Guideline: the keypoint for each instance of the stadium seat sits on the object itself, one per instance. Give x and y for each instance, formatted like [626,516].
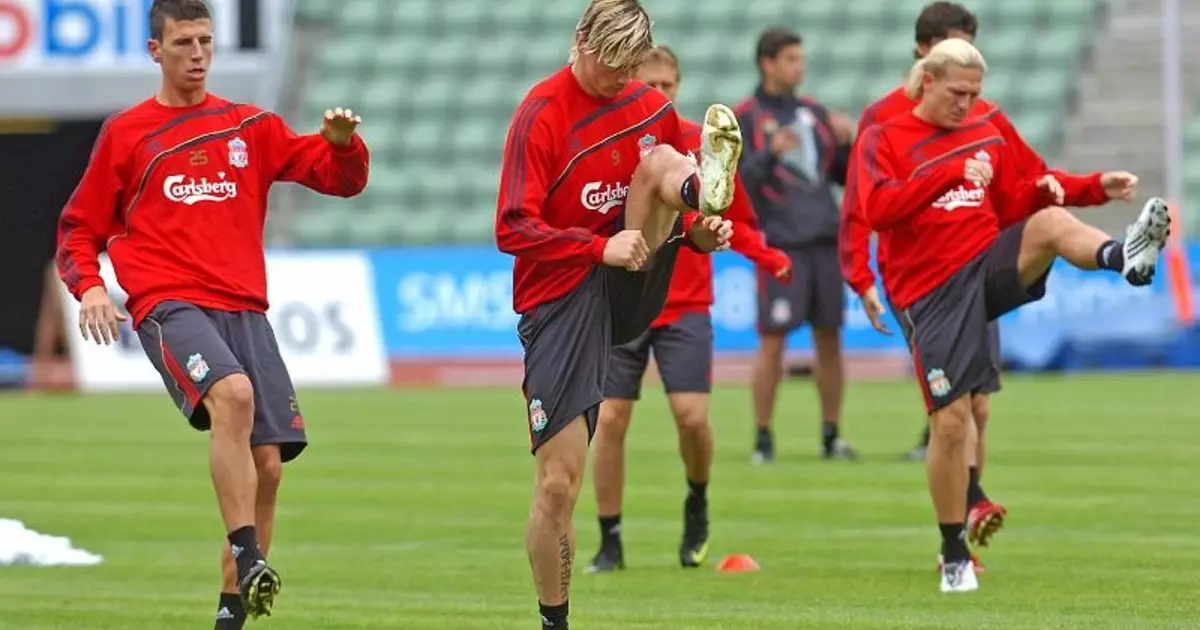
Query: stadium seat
[461,67]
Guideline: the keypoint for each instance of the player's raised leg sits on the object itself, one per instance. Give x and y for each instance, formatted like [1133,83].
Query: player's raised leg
[984,517]
[1054,232]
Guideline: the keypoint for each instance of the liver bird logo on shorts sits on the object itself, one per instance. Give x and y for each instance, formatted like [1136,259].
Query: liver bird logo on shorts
[537,415]
[939,385]
[239,157]
[197,367]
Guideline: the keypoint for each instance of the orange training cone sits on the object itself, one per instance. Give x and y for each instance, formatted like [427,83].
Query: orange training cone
[737,563]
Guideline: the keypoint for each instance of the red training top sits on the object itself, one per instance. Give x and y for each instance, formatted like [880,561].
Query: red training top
[855,236]
[568,163]
[691,288]
[911,188]
[178,197]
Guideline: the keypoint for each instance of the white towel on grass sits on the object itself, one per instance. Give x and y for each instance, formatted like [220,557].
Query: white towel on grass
[21,545]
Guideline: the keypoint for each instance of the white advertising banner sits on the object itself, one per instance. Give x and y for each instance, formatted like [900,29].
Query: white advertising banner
[322,308]
[54,51]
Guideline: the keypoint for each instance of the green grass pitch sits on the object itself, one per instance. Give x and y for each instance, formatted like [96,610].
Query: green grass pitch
[408,512]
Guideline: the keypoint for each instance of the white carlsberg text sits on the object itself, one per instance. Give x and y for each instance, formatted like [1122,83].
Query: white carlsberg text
[603,198]
[961,197]
[194,191]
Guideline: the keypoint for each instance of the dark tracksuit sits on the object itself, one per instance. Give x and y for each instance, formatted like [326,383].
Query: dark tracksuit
[797,211]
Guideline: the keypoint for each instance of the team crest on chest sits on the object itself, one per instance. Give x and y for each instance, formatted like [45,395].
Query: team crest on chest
[647,144]
[239,157]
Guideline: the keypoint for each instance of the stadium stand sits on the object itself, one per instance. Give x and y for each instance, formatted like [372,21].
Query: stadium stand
[461,67]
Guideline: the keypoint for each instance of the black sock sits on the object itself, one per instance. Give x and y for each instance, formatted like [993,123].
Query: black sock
[829,435]
[954,542]
[610,529]
[690,192]
[975,492]
[1111,256]
[554,616]
[231,613]
[697,492]
[925,437]
[243,543]
[762,438]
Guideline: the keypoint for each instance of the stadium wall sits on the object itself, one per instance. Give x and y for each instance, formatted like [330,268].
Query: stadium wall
[442,316]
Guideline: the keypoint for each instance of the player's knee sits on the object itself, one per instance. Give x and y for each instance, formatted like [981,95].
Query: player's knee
[657,162]
[231,402]
[692,420]
[614,419]
[980,411]
[770,346]
[948,426]
[556,492]
[827,341]
[269,465]
[1049,222]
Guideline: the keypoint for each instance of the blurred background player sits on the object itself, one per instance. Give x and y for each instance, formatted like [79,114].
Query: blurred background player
[682,341]
[971,238]
[795,151]
[937,22]
[176,191]
[594,272]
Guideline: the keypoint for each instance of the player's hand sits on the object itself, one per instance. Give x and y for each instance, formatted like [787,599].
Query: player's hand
[98,317]
[873,306]
[711,234]
[339,126]
[783,141]
[627,249]
[779,265]
[1051,187]
[978,172]
[843,128]
[1119,185]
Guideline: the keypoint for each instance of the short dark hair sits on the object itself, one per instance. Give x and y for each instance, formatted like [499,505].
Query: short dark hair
[178,10]
[773,41]
[938,19]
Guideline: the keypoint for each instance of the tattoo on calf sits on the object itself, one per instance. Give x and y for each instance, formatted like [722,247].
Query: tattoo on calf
[564,564]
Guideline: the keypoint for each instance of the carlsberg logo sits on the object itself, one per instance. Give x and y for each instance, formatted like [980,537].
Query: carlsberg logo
[600,198]
[961,197]
[193,191]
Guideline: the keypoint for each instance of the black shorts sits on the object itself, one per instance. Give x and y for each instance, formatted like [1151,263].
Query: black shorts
[815,294]
[568,341]
[947,329]
[193,348]
[683,352]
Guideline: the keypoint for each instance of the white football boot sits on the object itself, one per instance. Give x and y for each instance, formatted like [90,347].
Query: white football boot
[720,150]
[959,577]
[1144,241]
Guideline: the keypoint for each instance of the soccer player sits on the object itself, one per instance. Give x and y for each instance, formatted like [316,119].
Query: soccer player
[176,191]
[970,237]
[796,150]
[937,22]
[596,198]
[682,341]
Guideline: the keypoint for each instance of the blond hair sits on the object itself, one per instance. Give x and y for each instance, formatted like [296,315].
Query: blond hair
[616,31]
[958,53]
[661,53]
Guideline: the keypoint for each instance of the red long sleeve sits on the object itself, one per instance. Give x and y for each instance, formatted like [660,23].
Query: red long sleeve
[1079,191]
[886,198]
[315,163]
[524,183]
[1016,194]
[748,239]
[854,237]
[87,219]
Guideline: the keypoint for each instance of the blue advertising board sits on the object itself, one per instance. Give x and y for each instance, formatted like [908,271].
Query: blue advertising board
[457,302]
